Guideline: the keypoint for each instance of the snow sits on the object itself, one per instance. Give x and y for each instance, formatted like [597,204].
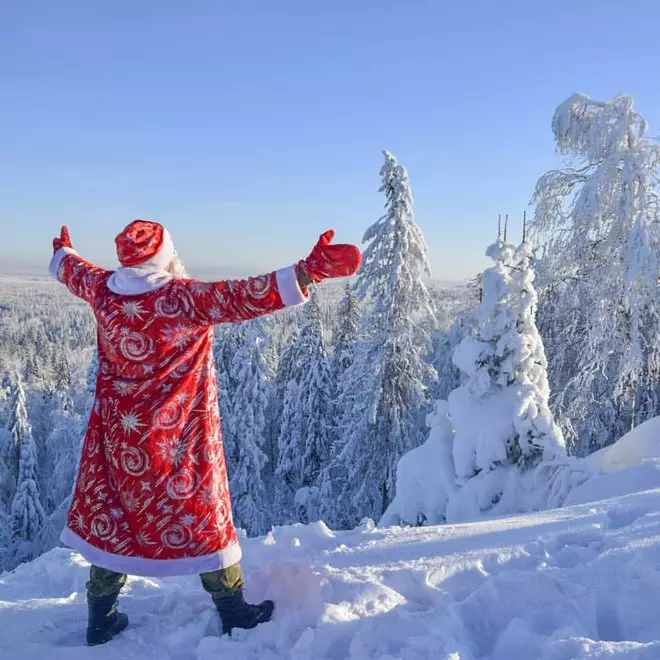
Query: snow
[567,584]
[641,444]
[629,465]
[425,476]
[428,493]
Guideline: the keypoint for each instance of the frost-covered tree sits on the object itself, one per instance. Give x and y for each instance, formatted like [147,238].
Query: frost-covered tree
[500,415]
[272,351]
[286,370]
[252,508]
[63,448]
[28,516]
[306,427]
[7,486]
[90,382]
[7,478]
[228,341]
[8,459]
[346,332]
[6,558]
[333,478]
[455,310]
[62,372]
[315,394]
[384,395]
[599,218]
[33,370]
[18,425]
[426,479]
[290,444]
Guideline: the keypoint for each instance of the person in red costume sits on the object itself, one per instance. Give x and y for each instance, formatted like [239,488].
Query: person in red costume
[152,494]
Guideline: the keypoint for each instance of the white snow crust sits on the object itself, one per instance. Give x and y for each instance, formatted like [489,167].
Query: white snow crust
[569,584]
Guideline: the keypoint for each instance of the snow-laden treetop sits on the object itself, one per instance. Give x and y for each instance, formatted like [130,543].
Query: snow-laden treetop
[594,129]
[395,262]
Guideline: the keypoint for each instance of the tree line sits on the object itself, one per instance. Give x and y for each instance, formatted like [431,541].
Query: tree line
[320,404]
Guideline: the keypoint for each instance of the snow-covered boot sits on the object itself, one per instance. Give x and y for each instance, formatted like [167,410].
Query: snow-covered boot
[104,621]
[236,613]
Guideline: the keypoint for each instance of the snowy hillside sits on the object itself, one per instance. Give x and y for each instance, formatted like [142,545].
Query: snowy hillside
[574,583]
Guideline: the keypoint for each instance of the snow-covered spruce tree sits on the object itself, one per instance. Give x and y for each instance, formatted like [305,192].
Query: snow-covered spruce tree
[454,311]
[287,474]
[62,375]
[63,448]
[502,422]
[385,389]
[272,351]
[5,541]
[28,516]
[9,454]
[346,332]
[286,370]
[229,339]
[64,445]
[7,476]
[7,486]
[306,425]
[425,479]
[345,340]
[252,506]
[17,425]
[600,222]
[315,396]
[34,373]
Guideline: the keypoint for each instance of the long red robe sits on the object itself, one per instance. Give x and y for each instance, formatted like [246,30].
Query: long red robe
[152,494]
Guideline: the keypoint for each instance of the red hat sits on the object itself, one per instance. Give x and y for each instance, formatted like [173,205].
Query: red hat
[144,241]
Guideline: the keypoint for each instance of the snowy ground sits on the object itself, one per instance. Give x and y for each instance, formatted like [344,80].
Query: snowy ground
[576,583]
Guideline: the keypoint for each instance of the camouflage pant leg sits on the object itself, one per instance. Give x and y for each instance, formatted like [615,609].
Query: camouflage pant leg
[224,582]
[104,582]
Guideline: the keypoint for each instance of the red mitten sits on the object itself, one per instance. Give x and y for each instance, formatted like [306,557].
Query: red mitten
[63,240]
[328,260]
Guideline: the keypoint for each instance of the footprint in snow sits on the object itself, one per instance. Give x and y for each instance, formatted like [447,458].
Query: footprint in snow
[620,518]
[526,561]
[415,588]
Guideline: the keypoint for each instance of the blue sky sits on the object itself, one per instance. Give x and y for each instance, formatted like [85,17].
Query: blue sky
[250,127]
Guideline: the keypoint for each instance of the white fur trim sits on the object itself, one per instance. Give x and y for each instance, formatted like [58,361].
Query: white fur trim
[134,281]
[288,287]
[148,276]
[57,260]
[152,567]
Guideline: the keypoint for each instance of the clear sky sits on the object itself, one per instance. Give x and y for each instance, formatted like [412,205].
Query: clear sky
[249,127]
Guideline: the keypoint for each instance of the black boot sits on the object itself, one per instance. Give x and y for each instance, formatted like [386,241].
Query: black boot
[236,613]
[104,621]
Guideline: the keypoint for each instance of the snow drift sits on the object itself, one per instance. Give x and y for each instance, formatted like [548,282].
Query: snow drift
[630,465]
[428,493]
[570,584]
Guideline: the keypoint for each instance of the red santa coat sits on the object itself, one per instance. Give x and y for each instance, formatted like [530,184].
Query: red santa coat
[152,494]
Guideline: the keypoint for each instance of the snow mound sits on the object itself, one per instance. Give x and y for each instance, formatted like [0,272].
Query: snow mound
[630,465]
[570,584]
[425,476]
[641,444]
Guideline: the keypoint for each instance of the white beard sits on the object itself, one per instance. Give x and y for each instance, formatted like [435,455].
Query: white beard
[177,269]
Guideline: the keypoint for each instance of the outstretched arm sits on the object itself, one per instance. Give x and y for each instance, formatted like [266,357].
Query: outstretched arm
[232,301]
[81,277]
[240,300]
